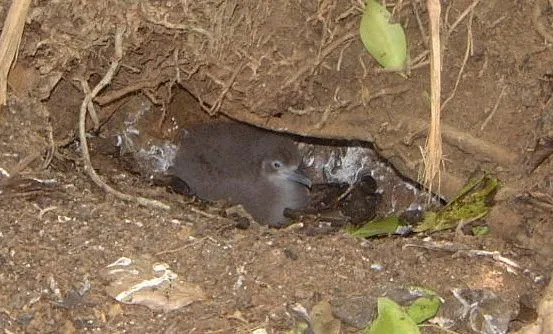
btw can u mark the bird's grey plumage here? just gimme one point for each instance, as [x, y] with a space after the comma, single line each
[245, 165]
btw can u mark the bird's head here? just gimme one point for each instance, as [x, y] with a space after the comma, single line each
[280, 169]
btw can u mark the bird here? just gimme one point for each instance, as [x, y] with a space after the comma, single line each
[242, 164]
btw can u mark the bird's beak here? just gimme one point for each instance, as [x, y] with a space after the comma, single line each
[297, 176]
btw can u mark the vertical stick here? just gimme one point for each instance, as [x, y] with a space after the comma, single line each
[432, 156]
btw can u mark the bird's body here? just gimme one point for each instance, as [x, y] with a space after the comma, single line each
[244, 165]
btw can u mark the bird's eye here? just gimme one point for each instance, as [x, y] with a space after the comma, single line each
[277, 164]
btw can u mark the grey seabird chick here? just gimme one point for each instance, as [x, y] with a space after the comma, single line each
[244, 165]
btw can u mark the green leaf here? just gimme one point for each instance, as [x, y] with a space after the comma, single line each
[424, 308]
[391, 320]
[388, 225]
[473, 202]
[480, 230]
[385, 41]
[300, 328]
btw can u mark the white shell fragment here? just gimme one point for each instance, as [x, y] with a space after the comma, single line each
[144, 281]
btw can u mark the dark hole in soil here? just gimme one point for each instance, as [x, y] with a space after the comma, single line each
[352, 184]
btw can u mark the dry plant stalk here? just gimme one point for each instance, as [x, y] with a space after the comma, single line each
[432, 155]
[9, 42]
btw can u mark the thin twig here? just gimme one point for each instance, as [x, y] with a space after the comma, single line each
[323, 118]
[464, 222]
[462, 249]
[412, 64]
[179, 249]
[495, 107]
[205, 214]
[468, 52]
[340, 58]
[82, 129]
[462, 16]
[345, 193]
[382, 92]
[419, 23]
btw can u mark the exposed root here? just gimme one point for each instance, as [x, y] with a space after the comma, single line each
[89, 96]
[90, 109]
[316, 62]
[467, 142]
[228, 85]
[115, 95]
[150, 12]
